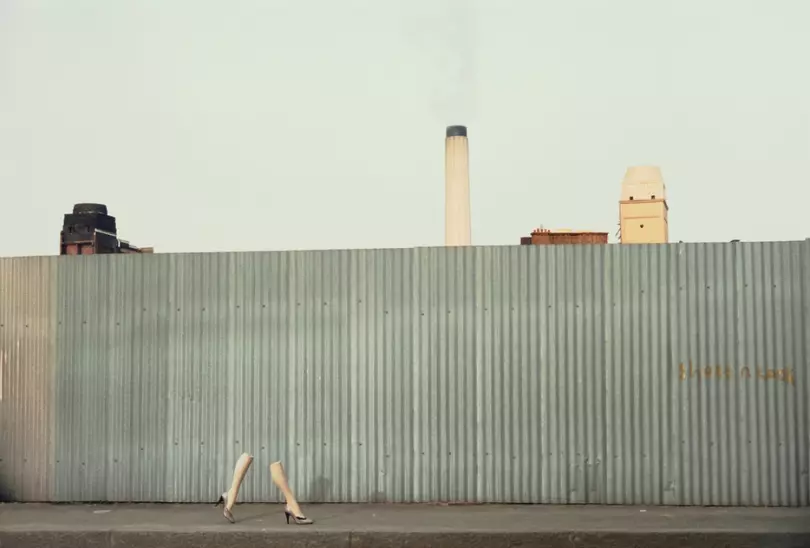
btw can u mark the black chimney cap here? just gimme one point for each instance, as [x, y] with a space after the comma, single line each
[98, 209]
[456, 131]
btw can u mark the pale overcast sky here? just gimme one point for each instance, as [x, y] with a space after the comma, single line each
[300, 124]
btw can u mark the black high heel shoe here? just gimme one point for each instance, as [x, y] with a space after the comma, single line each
[225, 512]
[297, 520]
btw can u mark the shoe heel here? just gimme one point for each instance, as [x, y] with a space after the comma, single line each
[297, 520]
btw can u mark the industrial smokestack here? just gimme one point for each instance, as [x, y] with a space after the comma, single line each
[457, 229]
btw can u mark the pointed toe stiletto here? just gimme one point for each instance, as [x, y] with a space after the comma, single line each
[297, 520]
[223, 500]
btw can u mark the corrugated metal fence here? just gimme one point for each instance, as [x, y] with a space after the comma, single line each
[673, 374]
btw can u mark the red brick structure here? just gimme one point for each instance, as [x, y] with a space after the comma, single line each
[564, 237]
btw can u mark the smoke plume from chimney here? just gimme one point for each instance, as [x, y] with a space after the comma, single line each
[457, 229]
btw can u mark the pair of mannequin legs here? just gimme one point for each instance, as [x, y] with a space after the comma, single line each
[291, 509]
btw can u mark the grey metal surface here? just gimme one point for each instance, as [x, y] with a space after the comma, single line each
[27, 302]
[504, 374]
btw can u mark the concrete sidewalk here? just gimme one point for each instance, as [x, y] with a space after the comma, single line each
[381, 525]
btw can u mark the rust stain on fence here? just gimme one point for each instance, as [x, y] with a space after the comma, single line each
[725, 372]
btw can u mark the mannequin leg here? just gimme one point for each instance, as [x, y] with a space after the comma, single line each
[229, 496]
[292, 510]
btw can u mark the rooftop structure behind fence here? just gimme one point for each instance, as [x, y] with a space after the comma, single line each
[541, 236]
[90, 230]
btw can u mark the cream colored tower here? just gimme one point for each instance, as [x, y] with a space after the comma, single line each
[457, 230]
[643, 207]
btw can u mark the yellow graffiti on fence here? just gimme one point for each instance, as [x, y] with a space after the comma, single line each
[689, 371]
